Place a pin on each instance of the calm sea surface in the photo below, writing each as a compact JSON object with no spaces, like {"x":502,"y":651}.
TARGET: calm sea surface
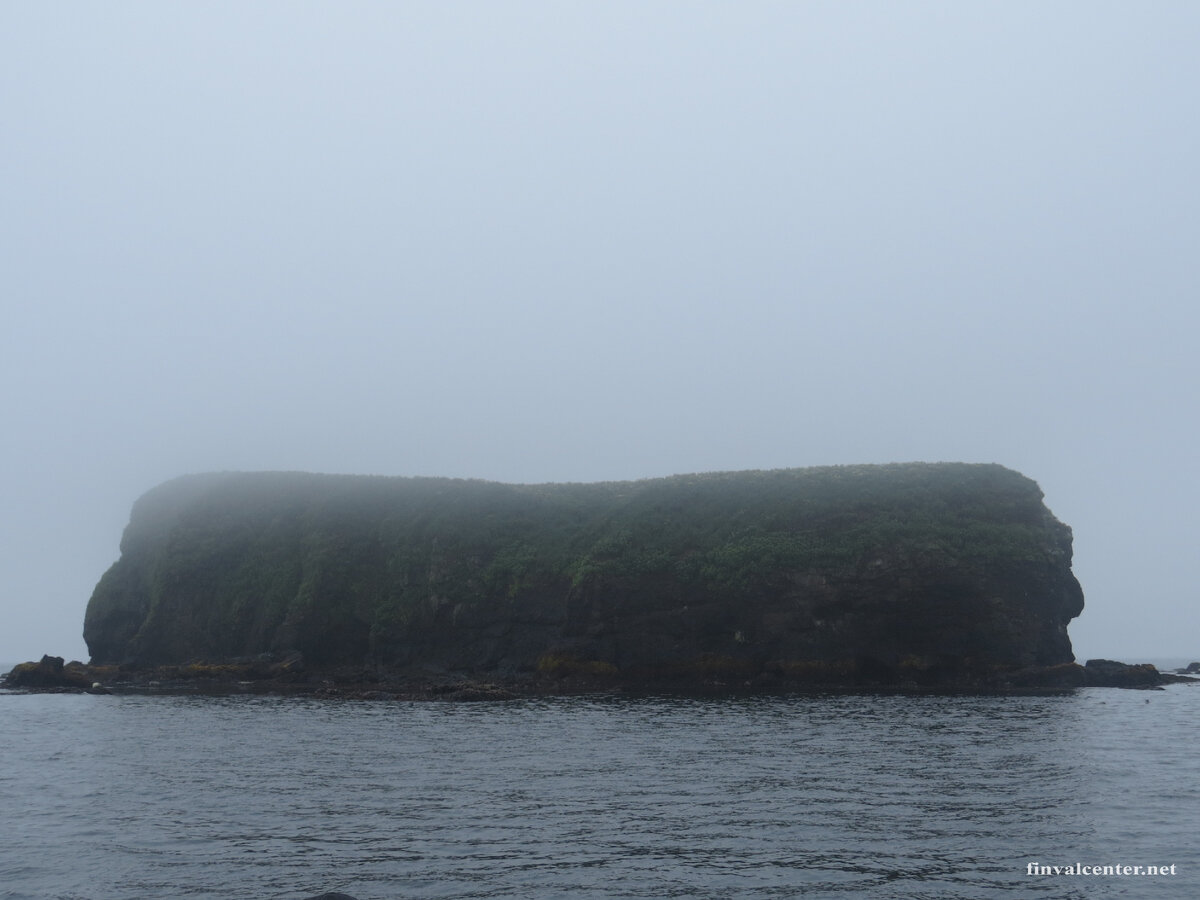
{"x":121,"y":797}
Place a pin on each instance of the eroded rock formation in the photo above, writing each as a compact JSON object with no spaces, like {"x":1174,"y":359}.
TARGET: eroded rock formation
{"x":914,"y":571}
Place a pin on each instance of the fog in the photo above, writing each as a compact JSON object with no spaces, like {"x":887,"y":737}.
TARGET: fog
{"x":572,"y":242}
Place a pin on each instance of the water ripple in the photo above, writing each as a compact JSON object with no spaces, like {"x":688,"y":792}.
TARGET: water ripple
{"x":874,"y":797}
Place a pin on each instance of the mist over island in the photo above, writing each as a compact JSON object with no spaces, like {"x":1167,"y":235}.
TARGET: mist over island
{"x":600,"y":243}
{"x":916,"y":572}
{"x":731,"y":407}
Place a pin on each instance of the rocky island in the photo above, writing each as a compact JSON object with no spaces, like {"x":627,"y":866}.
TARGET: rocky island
{"x":903,"y":574}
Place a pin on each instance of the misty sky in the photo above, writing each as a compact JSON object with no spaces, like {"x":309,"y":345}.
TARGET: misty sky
{"x":589,"y":241}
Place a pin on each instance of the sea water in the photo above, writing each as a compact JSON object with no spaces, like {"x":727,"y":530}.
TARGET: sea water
{"x":153,"y":797}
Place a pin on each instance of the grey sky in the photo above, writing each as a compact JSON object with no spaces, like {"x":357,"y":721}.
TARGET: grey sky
{"x":583,"y":241}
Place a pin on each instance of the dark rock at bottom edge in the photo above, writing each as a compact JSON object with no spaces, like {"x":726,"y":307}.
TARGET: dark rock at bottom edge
{"x":707,"y":677}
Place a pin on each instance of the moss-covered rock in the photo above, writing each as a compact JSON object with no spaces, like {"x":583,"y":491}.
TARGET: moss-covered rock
{"x":910,"y":571}
{"x":49,"y":673}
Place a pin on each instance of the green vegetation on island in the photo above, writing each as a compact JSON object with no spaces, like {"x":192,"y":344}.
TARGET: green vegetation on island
{"x":919,"y":564}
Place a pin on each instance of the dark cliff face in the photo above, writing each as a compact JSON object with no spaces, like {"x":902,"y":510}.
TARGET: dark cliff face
{"x":906,"y":568}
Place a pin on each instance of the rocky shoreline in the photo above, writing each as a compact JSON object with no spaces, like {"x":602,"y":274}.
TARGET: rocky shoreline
{"x":291,"y":677}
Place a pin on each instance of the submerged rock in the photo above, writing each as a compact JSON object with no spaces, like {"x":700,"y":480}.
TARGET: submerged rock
{"x":897,"y":574}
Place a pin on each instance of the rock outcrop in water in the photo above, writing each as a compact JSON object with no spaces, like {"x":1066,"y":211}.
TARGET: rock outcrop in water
{"x":913,"y":572}
{"x":49,"y":673}
{"x":1110,"y":673}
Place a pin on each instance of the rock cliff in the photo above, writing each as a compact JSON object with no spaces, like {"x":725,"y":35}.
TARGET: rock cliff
{"x":917,"y":571}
